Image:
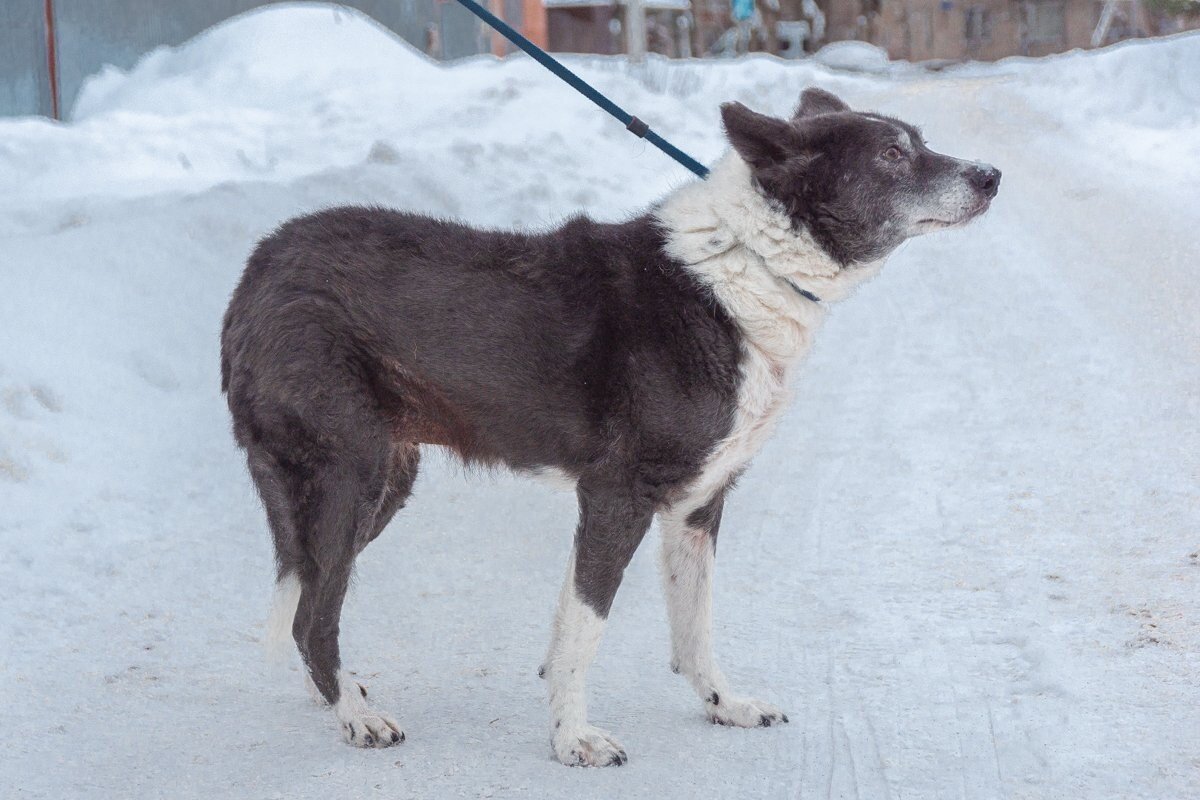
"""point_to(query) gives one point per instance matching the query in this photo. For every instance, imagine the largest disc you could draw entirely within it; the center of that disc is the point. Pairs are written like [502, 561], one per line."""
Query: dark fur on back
[581, 349]
[358, 334]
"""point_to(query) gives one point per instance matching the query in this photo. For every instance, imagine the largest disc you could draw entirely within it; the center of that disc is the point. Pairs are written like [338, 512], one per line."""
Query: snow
[966, 566]
[853, 56]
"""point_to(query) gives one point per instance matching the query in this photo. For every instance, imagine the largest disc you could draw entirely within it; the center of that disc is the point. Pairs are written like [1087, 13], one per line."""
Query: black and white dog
[646, 360]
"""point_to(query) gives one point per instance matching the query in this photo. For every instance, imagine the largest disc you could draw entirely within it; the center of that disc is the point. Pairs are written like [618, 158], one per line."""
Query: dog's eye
[893, 153]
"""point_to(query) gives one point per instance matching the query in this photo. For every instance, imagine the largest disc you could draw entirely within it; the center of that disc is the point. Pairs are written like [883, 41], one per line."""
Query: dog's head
[859, 184]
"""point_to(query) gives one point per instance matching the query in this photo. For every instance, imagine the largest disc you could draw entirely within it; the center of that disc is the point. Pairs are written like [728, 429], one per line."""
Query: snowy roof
[653, 5]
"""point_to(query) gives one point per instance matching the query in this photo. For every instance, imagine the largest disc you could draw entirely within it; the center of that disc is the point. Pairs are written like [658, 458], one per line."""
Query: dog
[647, 361]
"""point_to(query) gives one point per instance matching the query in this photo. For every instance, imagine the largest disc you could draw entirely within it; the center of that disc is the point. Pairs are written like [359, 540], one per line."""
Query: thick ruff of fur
[732, 239]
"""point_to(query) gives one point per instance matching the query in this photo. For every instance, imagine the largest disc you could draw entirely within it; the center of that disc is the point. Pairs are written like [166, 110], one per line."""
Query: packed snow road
[966, 566]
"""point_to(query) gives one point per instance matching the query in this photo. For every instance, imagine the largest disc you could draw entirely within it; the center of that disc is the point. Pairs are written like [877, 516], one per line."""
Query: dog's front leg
[689, 544]
[610, 529]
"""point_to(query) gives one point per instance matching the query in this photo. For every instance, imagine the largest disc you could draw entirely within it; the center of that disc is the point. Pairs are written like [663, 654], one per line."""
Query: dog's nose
[985, 178]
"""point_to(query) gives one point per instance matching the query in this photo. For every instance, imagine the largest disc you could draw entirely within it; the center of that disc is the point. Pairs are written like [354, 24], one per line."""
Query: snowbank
[854, 56]
[966, 565]
[1150, 82]
[265, 60]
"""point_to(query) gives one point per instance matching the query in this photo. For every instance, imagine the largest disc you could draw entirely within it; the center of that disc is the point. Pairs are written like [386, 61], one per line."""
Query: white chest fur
[732, 239]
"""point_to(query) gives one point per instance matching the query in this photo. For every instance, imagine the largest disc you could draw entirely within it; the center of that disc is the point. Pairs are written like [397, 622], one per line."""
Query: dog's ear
[816, 101]
[759, 139]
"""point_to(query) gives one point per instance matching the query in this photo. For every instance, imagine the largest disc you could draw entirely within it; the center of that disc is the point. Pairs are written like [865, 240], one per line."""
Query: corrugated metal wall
[92, 33]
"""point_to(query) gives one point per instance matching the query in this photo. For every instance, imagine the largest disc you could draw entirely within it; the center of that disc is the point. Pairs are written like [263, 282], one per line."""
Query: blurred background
[48, 47]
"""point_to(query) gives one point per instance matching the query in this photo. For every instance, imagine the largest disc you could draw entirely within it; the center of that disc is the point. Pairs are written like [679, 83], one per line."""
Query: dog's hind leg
[401, 476]
[339, 516]
[273, 487]
[689, 543]
[328, 494]
[611, 526]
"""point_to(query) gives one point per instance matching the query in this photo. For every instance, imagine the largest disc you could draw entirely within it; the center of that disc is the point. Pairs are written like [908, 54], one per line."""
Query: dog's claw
[372, 730]
[742, 712]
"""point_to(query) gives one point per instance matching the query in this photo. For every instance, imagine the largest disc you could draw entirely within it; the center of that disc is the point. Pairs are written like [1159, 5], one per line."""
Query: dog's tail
[283, 611]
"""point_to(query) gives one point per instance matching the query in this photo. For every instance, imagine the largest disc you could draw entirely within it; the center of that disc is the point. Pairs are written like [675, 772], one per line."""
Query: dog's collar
[805, 293]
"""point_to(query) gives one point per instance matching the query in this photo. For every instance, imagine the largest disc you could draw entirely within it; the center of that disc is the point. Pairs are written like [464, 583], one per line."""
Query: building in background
[598, 26]
[686, 28]
[954, 30]
[786, 28]
[937, 30]
[528, 16]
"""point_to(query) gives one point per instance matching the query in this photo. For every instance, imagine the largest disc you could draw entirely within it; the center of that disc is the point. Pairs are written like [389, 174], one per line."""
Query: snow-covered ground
[967, 566]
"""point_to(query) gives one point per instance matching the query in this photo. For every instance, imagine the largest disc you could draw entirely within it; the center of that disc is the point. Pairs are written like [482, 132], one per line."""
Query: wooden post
[534, 24]
[499, 45]
[52, 59]
[635, 30]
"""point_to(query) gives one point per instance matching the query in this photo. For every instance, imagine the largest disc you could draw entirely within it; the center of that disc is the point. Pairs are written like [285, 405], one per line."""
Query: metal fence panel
[462, 32]
[409, 18]
[92, 33]
[24, 64]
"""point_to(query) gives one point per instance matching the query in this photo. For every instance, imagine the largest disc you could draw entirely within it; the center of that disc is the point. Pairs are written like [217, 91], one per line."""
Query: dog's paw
[361, 725]
[741, 712]
[370, 729]
[587, 746]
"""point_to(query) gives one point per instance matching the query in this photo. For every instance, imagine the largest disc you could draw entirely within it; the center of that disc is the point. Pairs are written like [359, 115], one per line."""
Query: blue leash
[632, 123]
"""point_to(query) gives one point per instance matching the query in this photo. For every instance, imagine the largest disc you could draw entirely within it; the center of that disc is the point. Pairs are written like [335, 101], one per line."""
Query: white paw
[587, 746]
[369, 729]
[741, 712]
[361, 726]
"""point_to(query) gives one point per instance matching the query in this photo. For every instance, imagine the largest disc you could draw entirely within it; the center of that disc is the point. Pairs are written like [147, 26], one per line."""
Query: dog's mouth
[971, 213]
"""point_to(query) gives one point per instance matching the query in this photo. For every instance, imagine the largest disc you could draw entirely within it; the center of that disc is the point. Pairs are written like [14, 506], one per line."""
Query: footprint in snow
[154, 371]
[384, 153]
[10, 469]
[26, 402]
